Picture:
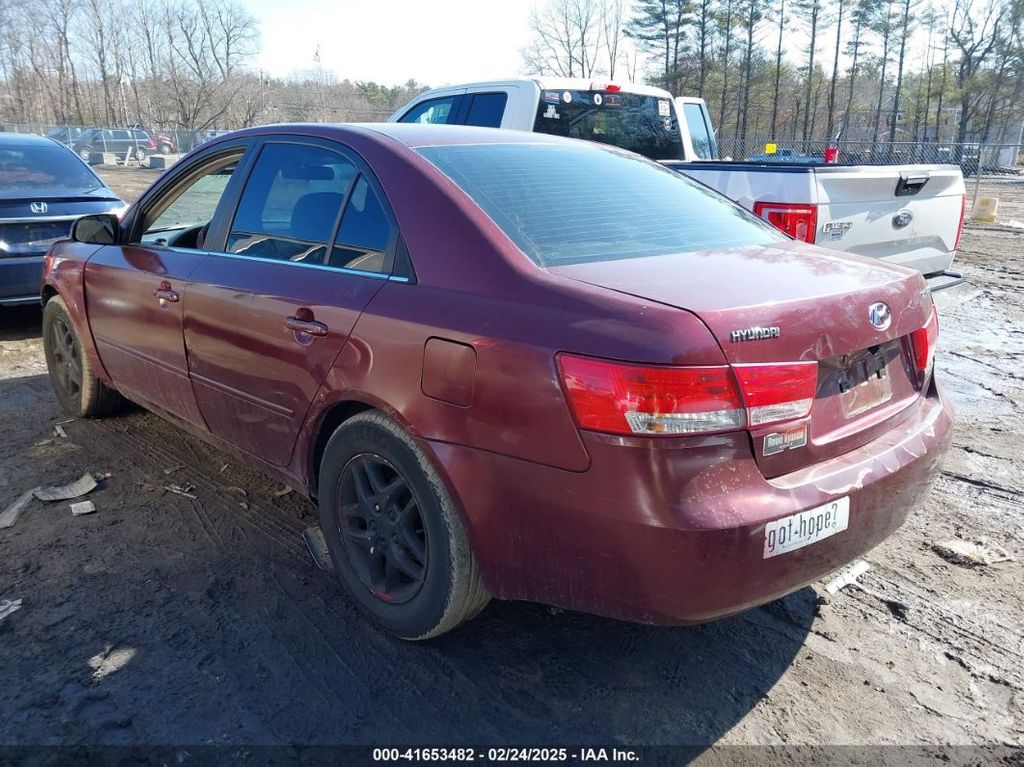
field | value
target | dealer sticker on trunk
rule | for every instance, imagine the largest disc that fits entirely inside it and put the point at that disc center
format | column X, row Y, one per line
column 806, row 527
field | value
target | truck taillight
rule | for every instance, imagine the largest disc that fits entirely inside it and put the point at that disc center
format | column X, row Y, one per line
column 798, row 221
column 923, row 341
column 960, row 228
column 621, row 398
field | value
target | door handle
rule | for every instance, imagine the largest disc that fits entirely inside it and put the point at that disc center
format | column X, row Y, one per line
column 312, row 327
column 165, row 293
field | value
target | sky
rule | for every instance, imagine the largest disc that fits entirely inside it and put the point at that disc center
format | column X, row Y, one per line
column 437, row 42
column 389, row 41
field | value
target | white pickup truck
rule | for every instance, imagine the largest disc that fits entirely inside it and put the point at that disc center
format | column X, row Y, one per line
column 907, row 214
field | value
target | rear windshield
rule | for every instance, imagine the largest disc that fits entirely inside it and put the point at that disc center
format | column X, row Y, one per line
column 49, row 170
column 646, row 125
column 565, row 204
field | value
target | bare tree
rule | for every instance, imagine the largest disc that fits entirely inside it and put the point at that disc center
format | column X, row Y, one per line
column 778, row 66
column 659, row 27
column 904, row 32
column 840, row 7
column 975, row 33
column 861, row 20
column 882, row 23
column 612, row 30
column 811, row 12
column 704, row 21
column 751, row 17
column 566, row 39
column 728, row 22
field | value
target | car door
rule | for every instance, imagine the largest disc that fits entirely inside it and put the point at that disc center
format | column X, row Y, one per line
column 120, row 140
column 266, row 318
column 135, row 292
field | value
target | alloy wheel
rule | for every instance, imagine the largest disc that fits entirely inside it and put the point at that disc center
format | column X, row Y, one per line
column 382, row 529
column 67, row 360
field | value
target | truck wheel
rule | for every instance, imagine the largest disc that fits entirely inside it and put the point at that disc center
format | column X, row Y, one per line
column 79, row 392
column 396, row 539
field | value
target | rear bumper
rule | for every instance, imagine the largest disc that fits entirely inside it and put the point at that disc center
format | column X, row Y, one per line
column 943, row 280
column 20, row 279
column 673, row 531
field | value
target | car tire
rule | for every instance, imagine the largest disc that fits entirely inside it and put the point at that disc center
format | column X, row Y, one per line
column 85, row 152
column 164, row 149
column 435, row 581
column 87, row 396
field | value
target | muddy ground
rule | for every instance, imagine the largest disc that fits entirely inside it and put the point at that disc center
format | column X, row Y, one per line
column 163, row 619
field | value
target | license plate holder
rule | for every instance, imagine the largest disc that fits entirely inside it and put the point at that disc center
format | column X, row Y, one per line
column 865, row 385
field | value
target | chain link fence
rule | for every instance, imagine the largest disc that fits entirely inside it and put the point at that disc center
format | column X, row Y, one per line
column 973, row 158
column 153, row 140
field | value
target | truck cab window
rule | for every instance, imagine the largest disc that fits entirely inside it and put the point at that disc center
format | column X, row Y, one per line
column 486, row 109
column 431, row 111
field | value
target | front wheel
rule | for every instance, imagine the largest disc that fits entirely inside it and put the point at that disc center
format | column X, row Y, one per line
column 78, row 390
column 393, row 532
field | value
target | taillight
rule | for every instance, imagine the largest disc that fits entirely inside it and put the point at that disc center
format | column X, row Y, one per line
column 960, row 227
column 777, row 392
column 660, row 400
column 798, row 221
column 923, row 341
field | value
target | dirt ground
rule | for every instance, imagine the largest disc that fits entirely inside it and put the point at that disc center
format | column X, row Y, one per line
column 164, row 619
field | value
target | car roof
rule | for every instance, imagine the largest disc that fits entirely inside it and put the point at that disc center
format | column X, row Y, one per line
column 25, row 139
column 411, row 135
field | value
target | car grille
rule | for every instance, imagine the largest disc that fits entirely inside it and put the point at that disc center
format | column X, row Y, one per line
column 30, row 237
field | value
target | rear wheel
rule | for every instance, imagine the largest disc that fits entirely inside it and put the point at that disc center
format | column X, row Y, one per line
column 85, row 152
column 78, row 390
column 164, row 148
column 396, row 539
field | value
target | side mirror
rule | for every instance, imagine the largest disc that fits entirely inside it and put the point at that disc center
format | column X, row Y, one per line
column 98, row 229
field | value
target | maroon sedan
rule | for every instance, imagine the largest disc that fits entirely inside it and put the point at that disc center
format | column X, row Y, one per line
column 511, row 365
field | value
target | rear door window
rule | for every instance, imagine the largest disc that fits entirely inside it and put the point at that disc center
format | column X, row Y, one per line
column 365, row 232
column 437, row 111
column 291, row 203
column 486, row 109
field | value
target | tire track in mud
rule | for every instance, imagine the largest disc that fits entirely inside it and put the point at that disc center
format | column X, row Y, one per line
column 986, row 507
column 985, row 646
column 151, row 458
column 218, row 510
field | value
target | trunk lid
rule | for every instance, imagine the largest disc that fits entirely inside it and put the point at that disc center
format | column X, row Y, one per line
column 819, row 303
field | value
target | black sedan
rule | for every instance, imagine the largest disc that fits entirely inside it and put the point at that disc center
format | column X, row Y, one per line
column 44, row 187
